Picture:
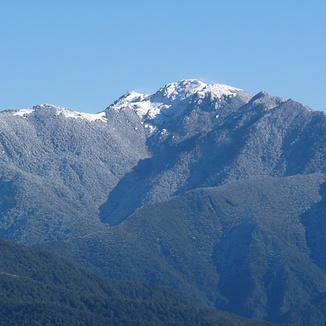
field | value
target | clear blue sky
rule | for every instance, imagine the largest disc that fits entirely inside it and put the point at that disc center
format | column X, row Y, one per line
column 83, row 54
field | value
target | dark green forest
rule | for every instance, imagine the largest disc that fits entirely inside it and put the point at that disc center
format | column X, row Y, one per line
column 38, row 288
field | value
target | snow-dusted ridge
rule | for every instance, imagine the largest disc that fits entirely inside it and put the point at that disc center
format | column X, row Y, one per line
column 84, row 116
column 171, row 100
column 23, row 112
column 64, row 112
column 168, row 102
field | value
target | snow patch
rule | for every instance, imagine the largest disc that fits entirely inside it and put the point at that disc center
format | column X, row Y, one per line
column 23, row 112
column 64, row 112
column 84, row 116
column 150, row 128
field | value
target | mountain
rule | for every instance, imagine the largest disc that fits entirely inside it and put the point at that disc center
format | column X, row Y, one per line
column 39, row 288
column 204, row 188
column 266, row 137
column 242, row 247
column 58, row 166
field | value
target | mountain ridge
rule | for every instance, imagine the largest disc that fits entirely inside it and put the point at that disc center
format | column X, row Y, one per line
column 263, row 137
column 220, row 195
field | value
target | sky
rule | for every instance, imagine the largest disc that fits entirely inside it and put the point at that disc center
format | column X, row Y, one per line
column 83, row 55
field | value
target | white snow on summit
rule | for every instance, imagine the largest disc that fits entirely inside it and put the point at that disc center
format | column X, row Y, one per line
column 61, row 111
column 188, row 87
column 80, row 115
column 170, row 100
column 23, row 112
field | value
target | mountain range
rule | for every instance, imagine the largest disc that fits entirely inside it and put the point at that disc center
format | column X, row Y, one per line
column 202, row 188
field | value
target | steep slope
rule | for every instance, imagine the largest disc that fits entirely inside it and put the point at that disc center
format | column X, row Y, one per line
column 242, row 247
column 38, row 288
column 57, row 167
column 267, row 136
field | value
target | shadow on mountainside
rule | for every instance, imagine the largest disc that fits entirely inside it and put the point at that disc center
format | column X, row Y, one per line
column 203, row 160
column 314, row 221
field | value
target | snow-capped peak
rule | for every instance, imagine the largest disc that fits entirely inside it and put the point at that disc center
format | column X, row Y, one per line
column 182, row 88
column 132, row 97
column 188, row 87
column 171, row 100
